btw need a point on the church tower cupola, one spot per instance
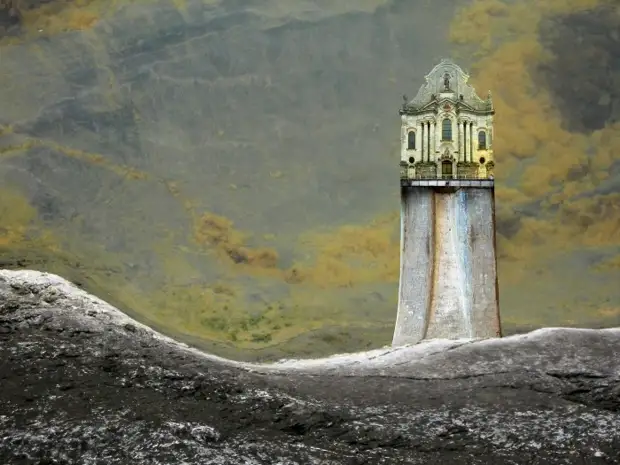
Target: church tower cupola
(447, 130)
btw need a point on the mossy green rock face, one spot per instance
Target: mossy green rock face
(227, 171)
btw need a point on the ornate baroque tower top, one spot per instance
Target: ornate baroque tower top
(447, 131)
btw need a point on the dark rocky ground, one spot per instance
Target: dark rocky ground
(82, 383)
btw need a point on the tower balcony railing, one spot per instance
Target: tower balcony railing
(454, 180)
(426, 177)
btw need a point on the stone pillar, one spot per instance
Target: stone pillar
(464, 128)
(471, 142)
(425, 140)
(422, 141)
(459, 128)
(433, 140)
(429, 141)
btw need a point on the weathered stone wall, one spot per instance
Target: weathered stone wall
(466, 169)
(416, 262)
(448, 282)
(426, 170)
(480, 205)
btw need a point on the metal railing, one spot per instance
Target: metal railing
(457, 176)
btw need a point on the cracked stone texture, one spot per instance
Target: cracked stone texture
(84, 383)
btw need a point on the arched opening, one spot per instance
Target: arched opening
(446, 169)
(446, 129)
(411, 141)
(482, 140)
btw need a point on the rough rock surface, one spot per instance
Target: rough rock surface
(83, 383)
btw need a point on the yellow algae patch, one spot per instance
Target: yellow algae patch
(12, 150)
(350, 255)
(71, 15)
(587, 222)
(16, 214)
(612, 263)
(609, 312)
(252, 317)
(345, 257)
(594, 220)
(98, 159)
(92, 158)
(62, 16)
(19, 226)
(6, 129)
(510, 196)
(220, 311)
(218, 232)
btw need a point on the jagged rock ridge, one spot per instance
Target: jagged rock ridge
(83, 383)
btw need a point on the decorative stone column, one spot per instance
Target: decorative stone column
(459, 128)
(433, 141)
(428, 140)
(422, 141)
(464, 129)
(471, 142)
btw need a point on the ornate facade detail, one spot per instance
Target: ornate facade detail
(403, 169)
(446, 155)
(452, 128)
(490, 167)
(426, 170)
(467, 170)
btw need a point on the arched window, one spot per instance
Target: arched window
(482, 140)
(446, 129)
(411, 141)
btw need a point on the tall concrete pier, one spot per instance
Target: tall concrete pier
(448, 277)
